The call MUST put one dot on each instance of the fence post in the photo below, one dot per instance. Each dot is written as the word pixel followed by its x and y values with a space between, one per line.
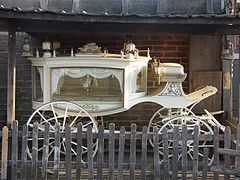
pixel 237 159
pixel 156 154
pixel 133 151
pixel 68 156
pixel 4 152
pixel 165 154
pixel 195 152
pixel 205 163
pixel 90 152
pixel 45 151
pixel 35 151
pixel 215 147
pixel 14 150
pixel 24 152
pixel 121 153
pixel 111 150
pixel 56 152
pixel 227 144
pixel 184 151
pixel 79 151
pixel 144 153
pixel 100 152
pixel 175 153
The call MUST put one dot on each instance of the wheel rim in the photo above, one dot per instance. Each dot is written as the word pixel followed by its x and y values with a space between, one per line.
pixel 190 121
pixel 64 113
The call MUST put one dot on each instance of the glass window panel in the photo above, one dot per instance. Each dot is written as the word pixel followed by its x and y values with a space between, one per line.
pixel 138 75
pixel 38 84
pixel 95 89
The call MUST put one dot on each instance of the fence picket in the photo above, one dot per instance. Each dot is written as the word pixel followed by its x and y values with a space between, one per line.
pixel 134 137
pixel 195 152
pixel 90 152
pixel 4 153
pixel 100 152
pixel 184 151
pixel 111 151
pixel 24 153
pixel 175 153
pixel 205 163
pixel 156 154
pixel 35 151
pixel 56 160
pixel 237 159
pixel 45 151
pixel 144 153
pixel 132 162
pixel 79 151
pixel 121 153
pixel 68 155
pixel 14 150
pixel 227 144
pixel 215 148
pixel 165 154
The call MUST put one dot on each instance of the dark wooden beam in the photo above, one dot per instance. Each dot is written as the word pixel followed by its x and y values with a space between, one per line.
pixel 204 19
pixel 32 26
pixel 11 93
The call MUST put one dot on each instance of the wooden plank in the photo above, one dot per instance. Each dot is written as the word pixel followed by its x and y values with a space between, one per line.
pixel 205 163
pixel 14 150
pixel 125 7
pixel 35 151
pixel 165 154
pixel 156 154
pixel 144 153
pixel 204 78
pixel 111 149
pixel 23 174
pixel 230 152
pixel 75 6
pixel 175 153
pixel 227 87
pixel 215 147
pixel 43 4
pixel 210 6
pixel 184 151
pixel 45 150
pixel 237 159
pixel 100 152
pixel 205 53
pixel 132 159
pixel 4 160
pixel 90 152
pixel 195 152
pixel 11 93
pixel 56 152
pixel 227 144
pixel 68 155
pixel 121 153
pixel 79 151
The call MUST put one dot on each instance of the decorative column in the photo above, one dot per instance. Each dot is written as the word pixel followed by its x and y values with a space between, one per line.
pixel 227 65
pixel 11 92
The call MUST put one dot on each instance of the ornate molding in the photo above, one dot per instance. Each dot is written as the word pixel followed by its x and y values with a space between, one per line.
pixel 172 89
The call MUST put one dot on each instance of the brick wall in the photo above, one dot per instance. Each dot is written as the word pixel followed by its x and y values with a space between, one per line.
pixel 166 47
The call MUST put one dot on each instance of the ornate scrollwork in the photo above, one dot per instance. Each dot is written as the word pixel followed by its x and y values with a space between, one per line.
pixel 90 107
pixel 172 89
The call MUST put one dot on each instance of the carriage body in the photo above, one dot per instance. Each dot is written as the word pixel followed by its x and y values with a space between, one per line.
pixel 105 84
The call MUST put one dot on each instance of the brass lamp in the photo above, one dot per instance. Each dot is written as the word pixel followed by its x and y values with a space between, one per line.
pixel 156 65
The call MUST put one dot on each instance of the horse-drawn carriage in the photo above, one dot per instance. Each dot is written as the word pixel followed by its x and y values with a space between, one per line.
pixel 88 84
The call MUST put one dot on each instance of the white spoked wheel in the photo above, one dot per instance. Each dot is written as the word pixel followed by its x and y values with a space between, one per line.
pixel 64 113
pixel 163 115
pixel 190 121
